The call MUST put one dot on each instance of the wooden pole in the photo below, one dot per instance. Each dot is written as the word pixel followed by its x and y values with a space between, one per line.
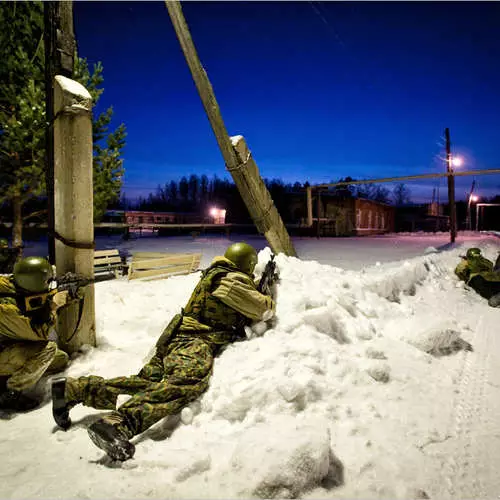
pixel 237 156
pixel 73 202
pixel 59 42
pixel 318 211
pixel 50 44
pixel 451 187
pixel 309 206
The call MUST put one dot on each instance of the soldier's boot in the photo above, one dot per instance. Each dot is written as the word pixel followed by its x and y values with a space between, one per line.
pixel 17 401
pixel 60 407
pixel 111 439
pixel 494 301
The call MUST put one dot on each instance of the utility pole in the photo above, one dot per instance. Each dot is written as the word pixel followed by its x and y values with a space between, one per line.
pixel 451 187
pixel 60 45
pixel 236 154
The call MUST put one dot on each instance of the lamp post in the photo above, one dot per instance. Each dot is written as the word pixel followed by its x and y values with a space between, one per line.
pixel 472 199
pixel 451 186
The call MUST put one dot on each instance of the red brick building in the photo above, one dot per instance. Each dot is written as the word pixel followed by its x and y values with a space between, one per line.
pixel 372 217
pixel 342 216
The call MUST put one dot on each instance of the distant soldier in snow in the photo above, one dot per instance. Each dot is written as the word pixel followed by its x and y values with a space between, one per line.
pixel 27 315
pixel 223 302
pixel 8 256
pixel 481 275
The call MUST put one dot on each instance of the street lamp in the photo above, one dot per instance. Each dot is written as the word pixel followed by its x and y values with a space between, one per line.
pixel 218 214
pixel 472 199
pixel 456 161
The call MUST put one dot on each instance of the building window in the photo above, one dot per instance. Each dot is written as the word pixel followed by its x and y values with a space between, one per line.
pixel 358 218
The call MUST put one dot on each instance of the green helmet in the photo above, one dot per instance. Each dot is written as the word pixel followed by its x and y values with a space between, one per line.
pixel 3 243
pixel 473 253
pixel 243 255
pixel 33 274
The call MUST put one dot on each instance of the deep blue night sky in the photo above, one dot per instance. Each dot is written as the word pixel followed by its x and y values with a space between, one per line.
pixel 320 90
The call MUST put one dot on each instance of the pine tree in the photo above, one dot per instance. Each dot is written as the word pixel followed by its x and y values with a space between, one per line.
pixel 22 107
pixel 23 121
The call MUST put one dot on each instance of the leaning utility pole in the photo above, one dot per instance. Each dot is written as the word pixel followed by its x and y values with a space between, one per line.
pixel 451 187
pixel 60 45
pixel 237 156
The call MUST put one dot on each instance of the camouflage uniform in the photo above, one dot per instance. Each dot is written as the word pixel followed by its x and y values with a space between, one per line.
pixel 26 352
pixel 224 300
pixel 8 257
pixel 480 275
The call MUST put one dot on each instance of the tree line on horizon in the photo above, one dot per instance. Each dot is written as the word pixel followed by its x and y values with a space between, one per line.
pixel 196 194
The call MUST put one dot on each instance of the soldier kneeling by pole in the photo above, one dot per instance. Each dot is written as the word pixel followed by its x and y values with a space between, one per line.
pixel 29 301
pixel 225 300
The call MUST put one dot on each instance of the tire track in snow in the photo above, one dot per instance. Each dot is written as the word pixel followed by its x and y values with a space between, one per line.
pixel 471 471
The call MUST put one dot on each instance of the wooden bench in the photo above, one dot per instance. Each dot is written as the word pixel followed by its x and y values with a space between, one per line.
pixel 108 260
pixel 156 265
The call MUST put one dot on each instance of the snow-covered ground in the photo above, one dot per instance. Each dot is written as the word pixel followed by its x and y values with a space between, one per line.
pixel 362 389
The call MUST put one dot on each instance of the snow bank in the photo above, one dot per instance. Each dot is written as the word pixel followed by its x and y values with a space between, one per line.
pixel 341 397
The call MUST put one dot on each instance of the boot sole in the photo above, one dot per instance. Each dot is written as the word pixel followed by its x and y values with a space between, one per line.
pixel 63 420
pixel 117 449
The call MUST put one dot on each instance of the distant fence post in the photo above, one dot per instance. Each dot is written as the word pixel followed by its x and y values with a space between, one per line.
pixel 309 206
pixel 73 206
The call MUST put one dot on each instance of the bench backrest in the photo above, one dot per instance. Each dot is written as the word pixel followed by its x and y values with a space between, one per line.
pixel 162 267
pixel 107 259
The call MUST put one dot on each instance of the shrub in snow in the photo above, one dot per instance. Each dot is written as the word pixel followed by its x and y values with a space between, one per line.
pixel 296 457
pixel 438 338
pixel 373 353
pixel 379 372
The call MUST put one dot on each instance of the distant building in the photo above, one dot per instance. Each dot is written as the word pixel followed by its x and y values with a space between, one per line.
pixel 421 217
pixel 137 217
pixel 343 216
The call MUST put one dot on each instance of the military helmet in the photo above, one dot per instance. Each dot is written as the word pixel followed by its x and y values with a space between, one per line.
pixel 243 255
pixel 4 243
pixel 473 253
pixel 33 274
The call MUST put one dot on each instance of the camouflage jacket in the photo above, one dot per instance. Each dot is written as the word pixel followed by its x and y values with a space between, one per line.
pixel 468 268
pixel 224 300
pixel 14 325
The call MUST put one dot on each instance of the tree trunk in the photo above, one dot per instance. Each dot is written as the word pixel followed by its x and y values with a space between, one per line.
pixel 17 226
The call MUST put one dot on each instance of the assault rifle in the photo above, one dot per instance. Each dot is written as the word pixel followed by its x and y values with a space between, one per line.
pixel 269 277
pixel 72 282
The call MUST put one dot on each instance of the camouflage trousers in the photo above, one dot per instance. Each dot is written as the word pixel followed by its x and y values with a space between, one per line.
pixel 24 363
pixel 486 284
pixel 162 387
